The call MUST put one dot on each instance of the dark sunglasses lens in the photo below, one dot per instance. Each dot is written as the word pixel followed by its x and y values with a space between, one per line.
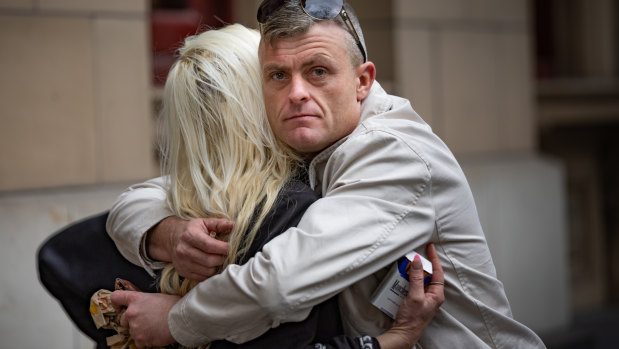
pixel 267 8
pixel 322 9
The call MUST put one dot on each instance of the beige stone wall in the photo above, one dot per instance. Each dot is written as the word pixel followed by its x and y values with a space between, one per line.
pixel 74 93
pixel 465 66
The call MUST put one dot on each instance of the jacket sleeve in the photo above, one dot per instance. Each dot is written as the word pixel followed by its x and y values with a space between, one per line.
pixel 376 208
pixel 136 210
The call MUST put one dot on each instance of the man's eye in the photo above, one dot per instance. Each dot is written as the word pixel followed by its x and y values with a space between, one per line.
pixel 319 72
pixel 278 76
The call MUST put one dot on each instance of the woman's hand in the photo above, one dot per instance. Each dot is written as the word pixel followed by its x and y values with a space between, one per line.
pixel 419 307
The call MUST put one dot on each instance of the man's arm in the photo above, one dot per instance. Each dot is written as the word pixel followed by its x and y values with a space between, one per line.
pixel 147 234
pixel 138 209
pixel 146 314
pixel 370 216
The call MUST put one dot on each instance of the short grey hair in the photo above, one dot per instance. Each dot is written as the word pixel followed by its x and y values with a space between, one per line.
pixel 290 20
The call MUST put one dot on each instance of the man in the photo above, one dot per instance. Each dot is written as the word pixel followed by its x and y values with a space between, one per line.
pixel 388 185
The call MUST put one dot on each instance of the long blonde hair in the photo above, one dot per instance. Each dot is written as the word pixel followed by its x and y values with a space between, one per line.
pixel 222 159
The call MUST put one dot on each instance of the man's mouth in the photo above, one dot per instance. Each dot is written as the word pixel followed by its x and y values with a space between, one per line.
pixel 299 116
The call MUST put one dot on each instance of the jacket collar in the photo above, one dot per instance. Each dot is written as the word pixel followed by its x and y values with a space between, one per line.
pixel 377 102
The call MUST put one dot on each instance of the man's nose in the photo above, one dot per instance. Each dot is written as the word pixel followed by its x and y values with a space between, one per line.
pixel 299 90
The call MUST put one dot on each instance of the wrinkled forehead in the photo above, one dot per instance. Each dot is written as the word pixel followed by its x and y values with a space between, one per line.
pixel 317 31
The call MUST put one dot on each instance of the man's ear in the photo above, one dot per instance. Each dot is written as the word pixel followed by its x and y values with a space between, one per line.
pixel 366 74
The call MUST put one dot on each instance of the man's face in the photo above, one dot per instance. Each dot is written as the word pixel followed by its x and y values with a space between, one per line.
pixel 311 91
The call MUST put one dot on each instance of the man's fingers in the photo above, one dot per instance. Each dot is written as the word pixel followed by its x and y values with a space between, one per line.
pixel 203 242
pixel 214 246
pixel 219 226
pixel 123 321
pixel 121 299
pixel 198 257
pixel 196 272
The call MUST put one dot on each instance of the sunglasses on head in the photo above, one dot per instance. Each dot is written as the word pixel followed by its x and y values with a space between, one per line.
pixel 317 9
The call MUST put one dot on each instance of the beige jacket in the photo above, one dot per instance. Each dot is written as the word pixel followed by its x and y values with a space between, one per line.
pixel 390 187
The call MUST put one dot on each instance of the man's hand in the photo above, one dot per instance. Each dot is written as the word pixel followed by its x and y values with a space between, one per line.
pixel 189 245
pixel 419 306
pixel 146 316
